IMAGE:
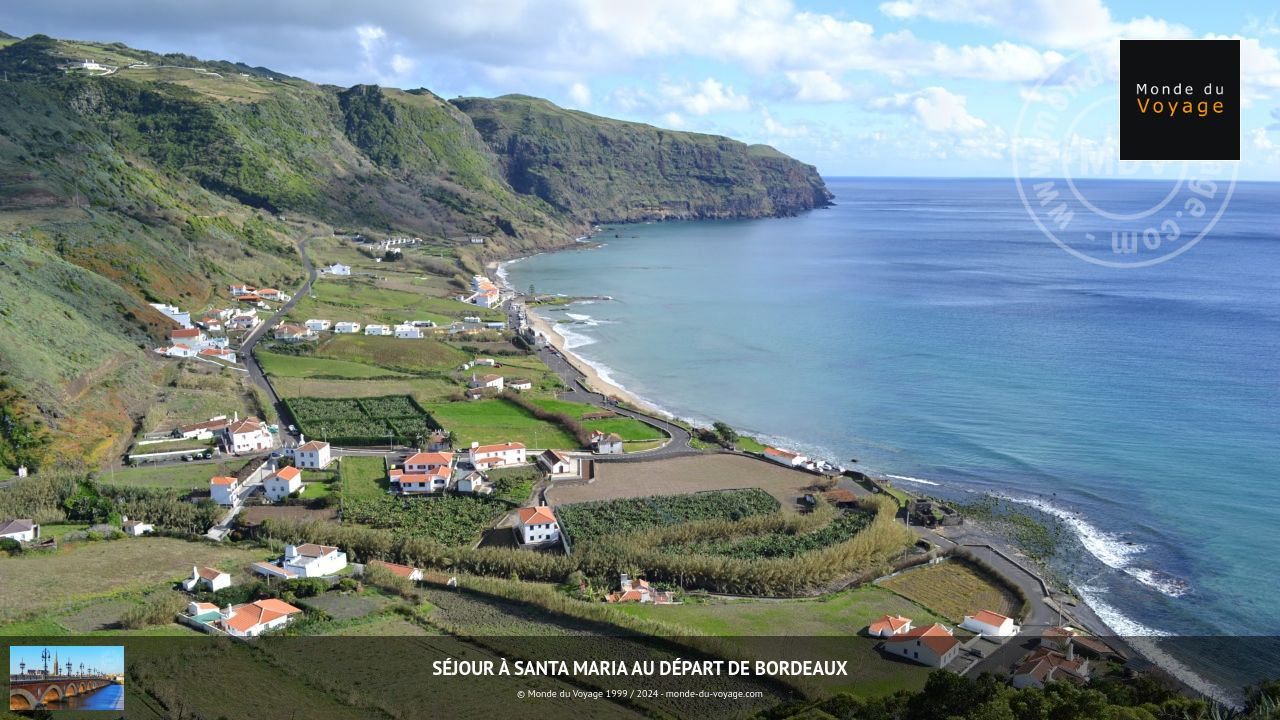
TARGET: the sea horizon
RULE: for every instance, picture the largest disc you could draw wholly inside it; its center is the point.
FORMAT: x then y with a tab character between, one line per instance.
921	403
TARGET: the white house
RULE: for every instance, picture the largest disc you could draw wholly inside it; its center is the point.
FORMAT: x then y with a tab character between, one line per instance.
1046	664
986	622
888	626
308	560
486	456
248	435
136	528
173	313
785	457
411	483
933	646
408	332
426	462
606	443
315	325
519	384
313	455
494	382
206	578
638	591
20	530
189	336
273	294
225	490
377	329
490	362
283	483
253	619
537	525
338	269
412	574
347	327
473	482
554	462
178	351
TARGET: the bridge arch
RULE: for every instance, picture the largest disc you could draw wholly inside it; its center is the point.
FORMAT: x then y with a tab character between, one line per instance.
70	690
20	699
53	693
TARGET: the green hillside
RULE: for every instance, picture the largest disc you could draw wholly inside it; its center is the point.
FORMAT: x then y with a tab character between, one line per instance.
601	170
129	177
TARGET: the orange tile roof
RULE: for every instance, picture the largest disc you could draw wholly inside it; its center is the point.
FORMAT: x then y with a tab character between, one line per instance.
785	454
246	617
429	458
991	618
536	515
313	446
209	573
288	474
222	480
935	637
891	623
314	550
403	571
498	448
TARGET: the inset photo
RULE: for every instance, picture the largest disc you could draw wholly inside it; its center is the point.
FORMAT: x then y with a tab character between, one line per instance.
66	677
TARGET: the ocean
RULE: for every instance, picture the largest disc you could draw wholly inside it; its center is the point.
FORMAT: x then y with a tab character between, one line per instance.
927	328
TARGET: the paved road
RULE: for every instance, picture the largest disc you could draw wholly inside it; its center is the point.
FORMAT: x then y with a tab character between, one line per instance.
258	377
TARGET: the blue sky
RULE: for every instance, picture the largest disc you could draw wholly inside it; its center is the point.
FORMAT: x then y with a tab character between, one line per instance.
106	658
883	87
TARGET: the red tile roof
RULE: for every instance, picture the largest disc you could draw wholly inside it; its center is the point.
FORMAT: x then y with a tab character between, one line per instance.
209	573
935	637
222	480
536	515
891	623
498	448
429	458
313	446
403	571
250	615
288	474
991	618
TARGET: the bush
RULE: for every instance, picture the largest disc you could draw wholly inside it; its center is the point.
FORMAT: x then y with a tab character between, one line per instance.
11	546
158	609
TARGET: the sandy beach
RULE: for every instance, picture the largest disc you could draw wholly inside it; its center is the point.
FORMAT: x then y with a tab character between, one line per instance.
593	380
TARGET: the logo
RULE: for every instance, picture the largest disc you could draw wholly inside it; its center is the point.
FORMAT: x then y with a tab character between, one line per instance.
1071	148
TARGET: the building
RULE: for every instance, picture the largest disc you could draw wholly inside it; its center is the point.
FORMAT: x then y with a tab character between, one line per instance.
425	462
24	530
136	528
253	619
289	332
888	626
377	330
1046	664
273	294
486	382
785	457
308	560
338	269
412	574
606	444
222	354
554	462
473	481
248	435
488	362
315	325
986	622
933	646
408	332
241	290
314	455
206	578
638	591
225	490
191	337
173	313
283	483
414	483
347	327
178	351
487	456
519	384
485	294
537	525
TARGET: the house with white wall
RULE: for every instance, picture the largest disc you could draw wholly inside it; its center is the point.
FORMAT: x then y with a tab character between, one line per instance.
411	574
135	528
487	382
377	329
338	269
224	489
307	560
986	622
173	313
253	619
606	443
934	646
206	578
283	483
248	435
22	530
888	626
537	525
785	457
408	332
488	456
554	462
314	455
346	327
317	325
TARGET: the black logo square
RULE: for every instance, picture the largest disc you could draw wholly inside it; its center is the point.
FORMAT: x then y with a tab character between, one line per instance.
1179	99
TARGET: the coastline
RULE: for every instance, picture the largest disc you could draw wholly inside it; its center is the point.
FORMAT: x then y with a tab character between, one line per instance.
1075	605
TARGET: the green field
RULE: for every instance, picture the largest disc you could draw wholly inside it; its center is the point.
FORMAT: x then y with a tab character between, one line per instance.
418	356
841	615
363	420
496	421
363	477
306	367
183	476
954	589
630	429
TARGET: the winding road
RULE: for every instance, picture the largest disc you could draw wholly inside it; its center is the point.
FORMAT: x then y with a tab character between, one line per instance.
251	364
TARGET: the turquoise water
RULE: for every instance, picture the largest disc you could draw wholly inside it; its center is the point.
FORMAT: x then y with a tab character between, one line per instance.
928	329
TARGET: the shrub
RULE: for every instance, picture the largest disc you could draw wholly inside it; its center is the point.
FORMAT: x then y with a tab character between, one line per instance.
157	609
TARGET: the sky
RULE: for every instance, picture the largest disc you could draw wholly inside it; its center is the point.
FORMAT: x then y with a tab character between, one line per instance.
892	87
108	659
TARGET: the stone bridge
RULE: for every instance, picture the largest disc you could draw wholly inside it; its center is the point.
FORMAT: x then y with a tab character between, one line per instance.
28	693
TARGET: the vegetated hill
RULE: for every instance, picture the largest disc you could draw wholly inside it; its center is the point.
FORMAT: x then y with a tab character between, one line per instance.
600	170
6	36
142	177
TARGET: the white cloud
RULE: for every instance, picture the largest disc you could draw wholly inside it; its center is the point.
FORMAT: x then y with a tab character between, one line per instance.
936	108
580	94
672	120
1260	139
704	98
817	86
775	129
